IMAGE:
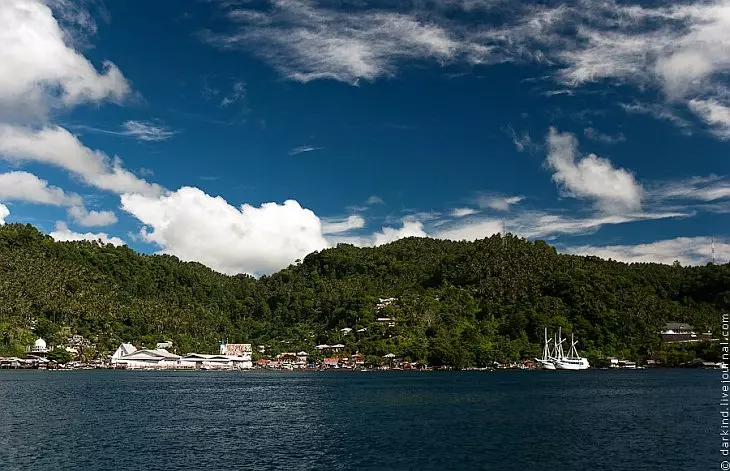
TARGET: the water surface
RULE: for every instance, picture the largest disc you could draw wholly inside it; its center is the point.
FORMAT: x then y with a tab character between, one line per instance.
572	421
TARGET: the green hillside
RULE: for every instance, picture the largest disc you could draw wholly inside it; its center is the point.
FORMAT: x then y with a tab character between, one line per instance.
458	303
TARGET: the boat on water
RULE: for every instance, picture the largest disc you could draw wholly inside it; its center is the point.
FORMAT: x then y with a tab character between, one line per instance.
571	361
547	360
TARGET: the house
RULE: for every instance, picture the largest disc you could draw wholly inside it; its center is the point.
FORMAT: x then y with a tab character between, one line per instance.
236	349
678	332
330	348
384	302
158	359
166	345
302	357
389	321
331	363
346	331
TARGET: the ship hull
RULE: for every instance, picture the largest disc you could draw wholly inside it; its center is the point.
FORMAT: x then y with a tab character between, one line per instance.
581	364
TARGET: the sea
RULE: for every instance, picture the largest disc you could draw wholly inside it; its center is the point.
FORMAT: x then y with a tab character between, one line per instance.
662	419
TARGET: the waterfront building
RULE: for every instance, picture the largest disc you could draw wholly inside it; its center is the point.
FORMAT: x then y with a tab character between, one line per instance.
148	359
201	361
121	351
678	332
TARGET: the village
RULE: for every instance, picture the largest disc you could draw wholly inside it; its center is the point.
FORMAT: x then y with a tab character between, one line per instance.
335	356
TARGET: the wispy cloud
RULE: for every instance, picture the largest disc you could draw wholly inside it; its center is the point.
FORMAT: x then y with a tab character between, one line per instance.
374	199
686	250
342	225
596	135
147	131
523	141
462	212
303	149
678	48
498	202
237	95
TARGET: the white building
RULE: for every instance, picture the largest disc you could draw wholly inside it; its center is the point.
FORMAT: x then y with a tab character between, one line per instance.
158	359
166	345
39	346
201	361
122	350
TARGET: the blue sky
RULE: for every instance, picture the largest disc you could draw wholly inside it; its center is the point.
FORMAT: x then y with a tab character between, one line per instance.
246	134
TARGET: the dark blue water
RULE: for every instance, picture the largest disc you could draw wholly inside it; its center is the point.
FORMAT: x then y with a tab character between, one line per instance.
596	420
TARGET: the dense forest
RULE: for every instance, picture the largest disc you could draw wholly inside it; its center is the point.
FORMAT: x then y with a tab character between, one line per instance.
458	303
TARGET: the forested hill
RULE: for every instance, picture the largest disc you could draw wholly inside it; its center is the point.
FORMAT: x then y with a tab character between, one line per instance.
458	303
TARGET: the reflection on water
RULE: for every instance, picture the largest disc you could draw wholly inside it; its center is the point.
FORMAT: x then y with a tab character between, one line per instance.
643	420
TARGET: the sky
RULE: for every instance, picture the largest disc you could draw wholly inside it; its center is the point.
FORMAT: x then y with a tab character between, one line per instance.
246	134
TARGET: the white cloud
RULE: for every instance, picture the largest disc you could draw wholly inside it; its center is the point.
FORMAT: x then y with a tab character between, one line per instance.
39	71
540	224
195	226
303	149
461	212
522	142
4	212
87	218
499	203
389	234
593	177
24	186
55	146
64	234
374	199
705	189
596	135
471	230
338	225
238	93
658	111
147	131
306	42
715	114
687	250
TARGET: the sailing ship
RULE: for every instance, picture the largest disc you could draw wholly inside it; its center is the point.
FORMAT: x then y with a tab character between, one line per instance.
546	362
573	361
555	357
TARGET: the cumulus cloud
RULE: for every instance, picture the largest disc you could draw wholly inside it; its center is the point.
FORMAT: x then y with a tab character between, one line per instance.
39	71
87	218
54	145
391	234
339	225
4	212
686	250
192	225
613	189
64	234
24	186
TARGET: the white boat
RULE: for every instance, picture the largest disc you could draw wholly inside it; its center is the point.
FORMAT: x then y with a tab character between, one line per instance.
546	362
572	361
